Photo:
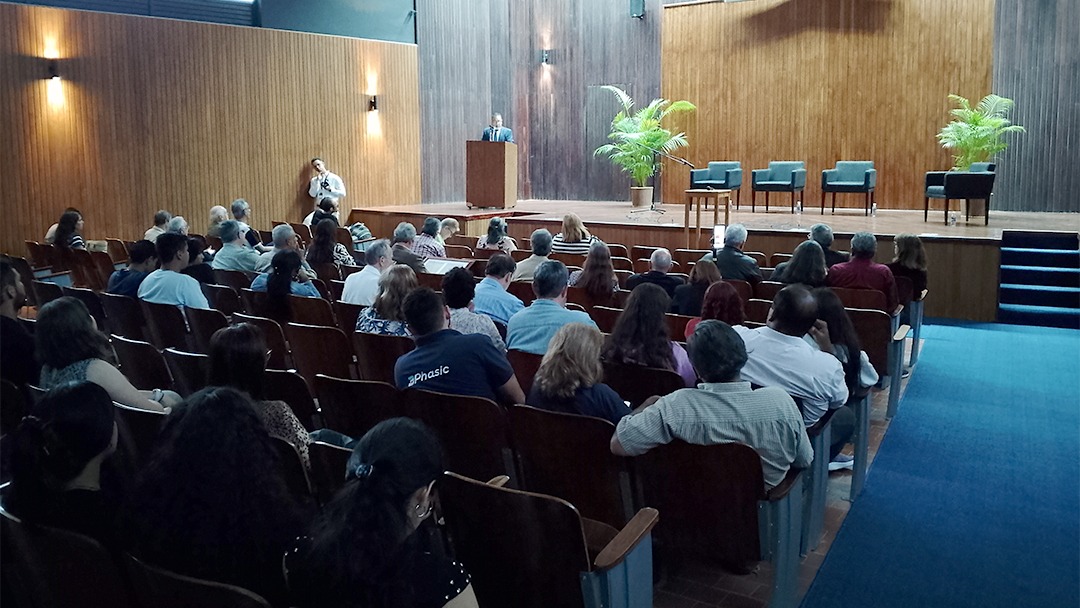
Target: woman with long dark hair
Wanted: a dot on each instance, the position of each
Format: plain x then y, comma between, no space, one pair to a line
71,349
284,278
722,303
569,378
597,277
363,550
56,460
640,336
806,266
212,503
842,340
496,237
325,249
69,231
909,261
688,298
386,315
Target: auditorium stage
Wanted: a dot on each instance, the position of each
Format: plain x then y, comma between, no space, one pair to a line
963,259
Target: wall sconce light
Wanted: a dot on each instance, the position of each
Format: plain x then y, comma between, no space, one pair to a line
373,103
53,70
546,57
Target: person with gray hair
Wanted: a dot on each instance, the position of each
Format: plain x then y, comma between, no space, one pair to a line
531,329
730,259
178,225
362,287
863,273
161,222
822,234
284,239
426,244
404,236
723,409
660,264
540,241
235,254
241,212
447,228
218,214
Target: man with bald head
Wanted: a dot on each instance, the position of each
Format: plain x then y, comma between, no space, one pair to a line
659,265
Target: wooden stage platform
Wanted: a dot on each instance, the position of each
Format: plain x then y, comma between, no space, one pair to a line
963,259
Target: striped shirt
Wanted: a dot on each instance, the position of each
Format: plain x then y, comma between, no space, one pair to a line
559,245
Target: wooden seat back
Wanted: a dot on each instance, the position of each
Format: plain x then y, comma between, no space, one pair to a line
222,298
757,310
458,251
190,371
161,588
290,387
168,326
141,363
767,290
778,258
233,278
204,322
677,325
93,304
125,316
622,263
254,302
319,350
743,288
523,290
327,271
311,311
525,366
578,295
472,430
861,298
117,250
874,328
352,407
40,257
274,336
377,354
605,317
346,315
46,291
636,383
138,430
292,470
103,265
688,257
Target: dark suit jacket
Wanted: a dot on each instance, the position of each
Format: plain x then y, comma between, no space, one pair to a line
835,257
688,299
663,279
402,255
734,264
504,135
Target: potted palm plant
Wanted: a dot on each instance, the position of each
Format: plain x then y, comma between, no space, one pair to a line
975,135
639,139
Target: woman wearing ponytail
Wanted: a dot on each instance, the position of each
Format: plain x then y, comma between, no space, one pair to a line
285,277
56,463
363,550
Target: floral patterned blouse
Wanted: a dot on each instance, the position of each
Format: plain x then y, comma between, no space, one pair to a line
370,322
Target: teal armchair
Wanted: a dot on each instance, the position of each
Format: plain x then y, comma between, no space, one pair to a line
975,183
855,176
720,175
781,176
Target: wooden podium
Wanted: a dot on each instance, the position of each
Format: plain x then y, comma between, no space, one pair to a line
491,174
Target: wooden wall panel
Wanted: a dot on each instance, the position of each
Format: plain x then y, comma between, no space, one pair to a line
1037,64
825,80
163,114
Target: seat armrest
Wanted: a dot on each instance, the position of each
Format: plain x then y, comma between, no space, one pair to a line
922,296
899,309
935,178
871,178
780,492
624,542
798,178
734,178
827,176
901,333
759,175
815,429
698,174
498,481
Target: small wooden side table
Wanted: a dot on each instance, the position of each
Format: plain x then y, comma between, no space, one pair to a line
696,198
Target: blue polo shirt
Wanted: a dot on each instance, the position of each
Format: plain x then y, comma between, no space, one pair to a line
531,329
493,300
451,362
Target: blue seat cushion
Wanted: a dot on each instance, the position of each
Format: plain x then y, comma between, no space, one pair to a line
935,192
785,186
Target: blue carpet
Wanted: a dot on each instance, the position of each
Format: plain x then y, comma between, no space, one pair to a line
974,498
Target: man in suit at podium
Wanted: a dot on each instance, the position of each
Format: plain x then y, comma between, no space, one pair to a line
497,132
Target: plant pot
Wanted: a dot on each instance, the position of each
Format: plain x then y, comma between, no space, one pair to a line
640,197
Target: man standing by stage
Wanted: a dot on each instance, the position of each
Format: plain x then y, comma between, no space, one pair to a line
324,185
497,132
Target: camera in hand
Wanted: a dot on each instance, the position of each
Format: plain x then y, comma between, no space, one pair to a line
325,185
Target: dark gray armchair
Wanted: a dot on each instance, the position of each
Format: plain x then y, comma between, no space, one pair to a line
976,183
856,176
781,176
721,175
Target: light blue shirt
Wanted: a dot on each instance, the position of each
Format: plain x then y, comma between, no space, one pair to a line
531,329
493,300
307,289
168,287
235,257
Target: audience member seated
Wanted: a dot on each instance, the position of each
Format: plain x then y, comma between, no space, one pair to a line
723,409
532,328
327,209
597,276
823,235
363,550
688,298
167,285
780,357
218,214
17,361
659,265
238,360
177,225
731,261
540,241
492,299
640,336
161,221
909,261
447,228
235,254
69,231
285,278
459,288
362,287
50,234
426,245
56,457
569,378
212,503
574,238
284,239
142,260
806,266
496,237
723,303
863,273
835,334
385,316
241,212
71,349
448,361
404,236
198,268
324,248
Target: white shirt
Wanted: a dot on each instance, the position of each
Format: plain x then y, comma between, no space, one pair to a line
266,258
803,371
336,189
362,287
168,287
152,234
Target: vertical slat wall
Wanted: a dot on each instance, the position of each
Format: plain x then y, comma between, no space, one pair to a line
1037,64
479,56
160,114
825,80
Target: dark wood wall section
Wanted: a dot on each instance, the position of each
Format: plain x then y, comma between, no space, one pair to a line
1037,64
825,80
160,114
480,56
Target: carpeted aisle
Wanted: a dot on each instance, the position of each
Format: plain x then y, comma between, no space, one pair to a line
974,498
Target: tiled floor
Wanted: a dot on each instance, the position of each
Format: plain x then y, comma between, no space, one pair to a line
703,585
